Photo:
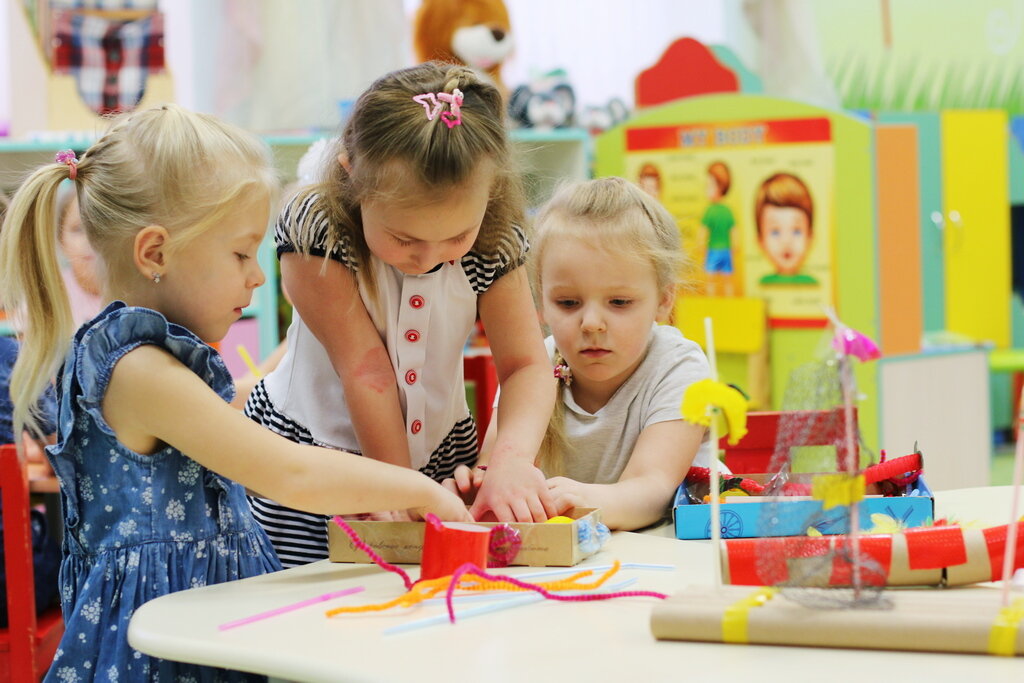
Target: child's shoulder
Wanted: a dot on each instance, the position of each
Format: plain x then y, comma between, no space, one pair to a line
669,343
120,329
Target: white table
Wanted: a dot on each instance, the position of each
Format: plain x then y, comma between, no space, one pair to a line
599,641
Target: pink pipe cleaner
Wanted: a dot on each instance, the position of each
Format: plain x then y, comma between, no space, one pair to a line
377,559
469,568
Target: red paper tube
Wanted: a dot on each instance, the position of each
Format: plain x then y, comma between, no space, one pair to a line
449,545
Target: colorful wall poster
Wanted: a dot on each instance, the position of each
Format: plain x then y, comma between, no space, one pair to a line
754,204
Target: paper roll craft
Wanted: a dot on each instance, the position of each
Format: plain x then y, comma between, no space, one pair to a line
968,621
449,545
924,556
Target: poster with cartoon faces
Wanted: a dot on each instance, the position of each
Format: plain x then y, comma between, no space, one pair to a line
753,200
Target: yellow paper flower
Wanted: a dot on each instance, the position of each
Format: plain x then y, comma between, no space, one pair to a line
705,394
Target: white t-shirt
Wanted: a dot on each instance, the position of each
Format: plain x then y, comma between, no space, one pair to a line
603,442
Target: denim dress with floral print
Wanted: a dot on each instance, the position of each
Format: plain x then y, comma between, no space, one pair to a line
138,526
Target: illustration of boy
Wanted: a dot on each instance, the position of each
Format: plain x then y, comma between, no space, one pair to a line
784,214
718,221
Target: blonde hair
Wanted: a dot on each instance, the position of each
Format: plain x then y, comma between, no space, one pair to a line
388,127
162,166
620,217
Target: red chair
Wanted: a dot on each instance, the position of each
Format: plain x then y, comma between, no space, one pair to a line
753,453
479,369
29,642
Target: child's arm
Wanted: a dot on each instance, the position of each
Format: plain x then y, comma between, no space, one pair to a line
514,490
153,399
660,459
331,307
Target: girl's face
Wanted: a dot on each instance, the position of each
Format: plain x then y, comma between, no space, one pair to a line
208,283
415,236
600,308
77,249
785,237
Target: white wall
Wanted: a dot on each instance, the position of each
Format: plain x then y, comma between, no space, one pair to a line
5,72
602,44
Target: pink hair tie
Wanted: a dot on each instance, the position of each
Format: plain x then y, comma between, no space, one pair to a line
67,156
432,103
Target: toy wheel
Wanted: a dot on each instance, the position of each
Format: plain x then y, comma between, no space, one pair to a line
732,525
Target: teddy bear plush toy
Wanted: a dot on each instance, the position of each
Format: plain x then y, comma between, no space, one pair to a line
472,32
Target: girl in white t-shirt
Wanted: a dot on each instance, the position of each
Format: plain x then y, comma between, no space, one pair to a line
606,264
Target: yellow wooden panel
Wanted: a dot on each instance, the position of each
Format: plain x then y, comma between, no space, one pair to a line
738,323
975,172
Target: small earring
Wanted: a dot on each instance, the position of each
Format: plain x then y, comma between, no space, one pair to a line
156,277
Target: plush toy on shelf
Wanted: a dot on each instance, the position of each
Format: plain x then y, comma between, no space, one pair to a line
472,32
544,103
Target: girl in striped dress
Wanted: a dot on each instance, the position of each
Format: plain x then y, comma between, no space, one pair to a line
415,229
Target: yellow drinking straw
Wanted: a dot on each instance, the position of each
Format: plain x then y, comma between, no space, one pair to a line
243,353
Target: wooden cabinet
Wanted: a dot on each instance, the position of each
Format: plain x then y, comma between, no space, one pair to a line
940,403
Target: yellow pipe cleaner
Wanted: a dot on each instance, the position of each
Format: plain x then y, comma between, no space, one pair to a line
424,590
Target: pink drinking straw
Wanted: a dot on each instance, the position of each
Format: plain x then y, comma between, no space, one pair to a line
1011,534
289,608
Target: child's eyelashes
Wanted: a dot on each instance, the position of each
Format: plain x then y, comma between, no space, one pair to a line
242,257
400,242
616,302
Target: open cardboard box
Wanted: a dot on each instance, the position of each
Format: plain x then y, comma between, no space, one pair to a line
741,515
544,545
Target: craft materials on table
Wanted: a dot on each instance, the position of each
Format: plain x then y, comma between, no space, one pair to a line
517,543
578,587
828,590
929,621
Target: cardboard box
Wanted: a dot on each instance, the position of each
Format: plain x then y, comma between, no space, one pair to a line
743,519
544,545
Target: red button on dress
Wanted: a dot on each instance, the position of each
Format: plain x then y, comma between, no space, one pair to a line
416,301
416,426
410,377
412,336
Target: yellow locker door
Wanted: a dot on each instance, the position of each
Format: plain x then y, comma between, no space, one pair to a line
975,181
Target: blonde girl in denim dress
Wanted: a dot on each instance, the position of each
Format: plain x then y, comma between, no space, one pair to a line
148,449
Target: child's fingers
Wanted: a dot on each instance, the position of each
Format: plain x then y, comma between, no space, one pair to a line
463,479
478,476
565,502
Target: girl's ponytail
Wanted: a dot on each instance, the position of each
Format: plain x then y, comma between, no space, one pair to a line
33,292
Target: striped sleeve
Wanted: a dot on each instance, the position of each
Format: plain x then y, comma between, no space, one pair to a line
304,227
484,270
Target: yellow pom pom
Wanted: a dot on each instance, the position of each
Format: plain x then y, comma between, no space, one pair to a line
561,519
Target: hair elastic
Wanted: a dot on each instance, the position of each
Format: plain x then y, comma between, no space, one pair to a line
432,103
562,370
67,156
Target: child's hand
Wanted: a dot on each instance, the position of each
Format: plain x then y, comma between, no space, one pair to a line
514,491
567,493
465,482
447,506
